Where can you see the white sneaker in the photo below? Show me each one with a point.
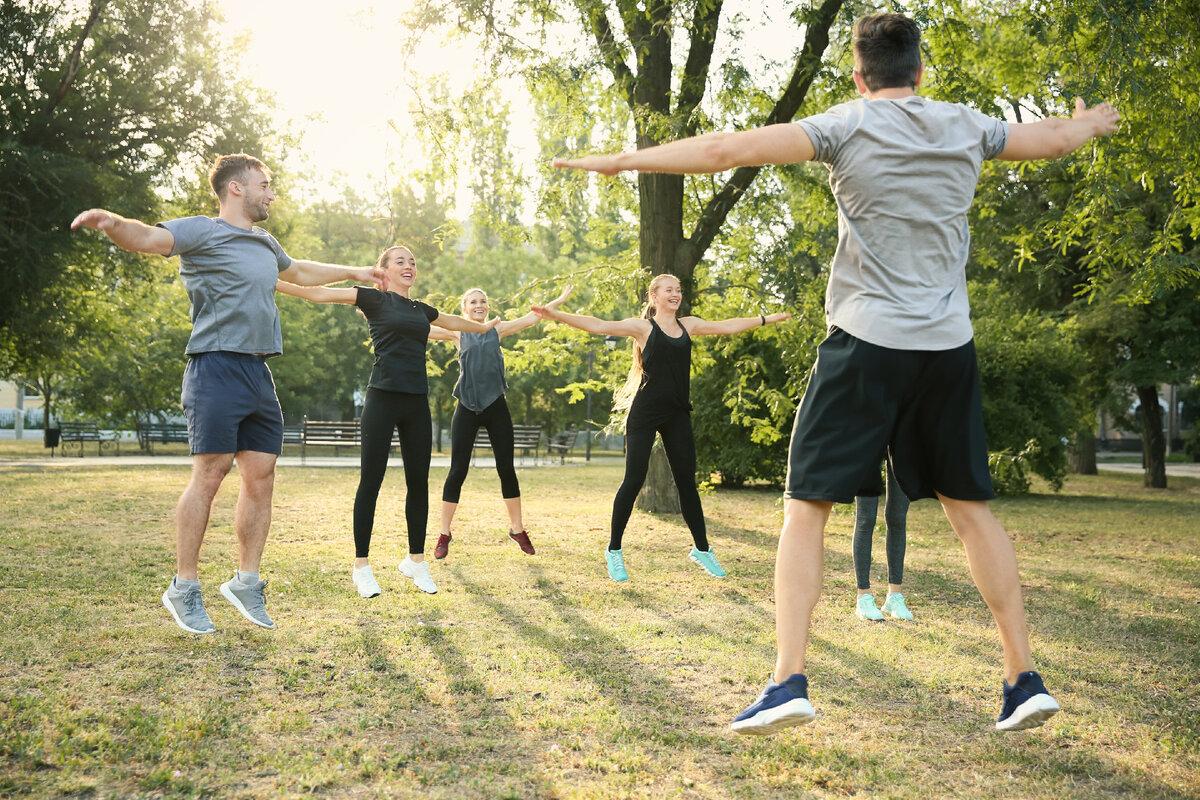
(365, 581)
(419, 572)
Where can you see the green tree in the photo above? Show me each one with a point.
(103, 103)
(1106, 236)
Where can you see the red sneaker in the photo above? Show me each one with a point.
(522, 539)
(443, 546)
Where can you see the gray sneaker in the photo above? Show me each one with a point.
(187, 607)
(249, 599)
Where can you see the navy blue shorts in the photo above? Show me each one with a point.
(230, 404)
(923, 409)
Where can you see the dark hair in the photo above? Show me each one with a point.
(887, 51)
(233, 168)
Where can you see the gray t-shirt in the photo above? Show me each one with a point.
(903, 173)
(229, 274)
(481, 379)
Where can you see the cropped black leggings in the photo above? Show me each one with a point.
(680, 447)
(408, 415)
(895, 515)
(498, 422)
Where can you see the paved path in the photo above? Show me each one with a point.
(1173, 470)
(483, 462)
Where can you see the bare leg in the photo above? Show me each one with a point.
(253, 519)
(193, 509)
(993, 567)
(448, 510)
(893, 588)
(799, 570)
(514, 513)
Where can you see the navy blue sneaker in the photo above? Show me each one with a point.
(781, 705)
(1026, 705)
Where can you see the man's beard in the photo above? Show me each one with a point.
(257, 212)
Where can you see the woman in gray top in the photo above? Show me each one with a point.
(481, 404)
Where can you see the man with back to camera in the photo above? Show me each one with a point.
(898, 369)
(229, 268)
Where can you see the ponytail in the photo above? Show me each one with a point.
(623, 398)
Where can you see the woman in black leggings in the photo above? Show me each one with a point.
(481, 404)
(397, 399)
(656, 396)
(895, 515)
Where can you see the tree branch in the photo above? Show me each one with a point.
(705, 22)
(72, 69)
(610, 51)
(816, 40)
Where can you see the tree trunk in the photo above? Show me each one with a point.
(659, 495)
(1081, 455)
(1154, 444)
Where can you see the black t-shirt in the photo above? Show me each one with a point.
(399, 332)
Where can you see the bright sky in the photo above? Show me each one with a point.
(341, 77)
(340, 74)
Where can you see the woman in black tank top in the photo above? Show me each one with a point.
(657, 399)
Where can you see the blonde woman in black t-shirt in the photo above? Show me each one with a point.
(397, 400)
(657, 399)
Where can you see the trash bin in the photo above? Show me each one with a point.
(51, 436)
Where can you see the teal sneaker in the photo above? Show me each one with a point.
(865, 609)
(616, 565)
(708, 560)
(894, 605)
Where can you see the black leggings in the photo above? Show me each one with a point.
(895, 515)
(466, 424)
(680, 447)
(407, 414)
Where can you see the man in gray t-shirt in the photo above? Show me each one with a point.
(229, 268)
(897, 374)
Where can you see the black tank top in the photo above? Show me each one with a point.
(666, 374)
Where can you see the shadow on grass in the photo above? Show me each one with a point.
(637, 693)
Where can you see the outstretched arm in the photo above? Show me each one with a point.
(784, 143)
(318, 294)
(314, 273)
(441, 334)
(702, 327)
(636, 327)
(1055, 137)
(530, 319)
(456, 323)
(128, 234)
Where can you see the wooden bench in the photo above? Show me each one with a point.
(152, 433)
(525, 439)
(81, 433)
(561, 443)
(327, 433)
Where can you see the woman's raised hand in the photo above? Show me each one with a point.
(558, 301)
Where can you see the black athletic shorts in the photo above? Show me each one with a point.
(920, 408)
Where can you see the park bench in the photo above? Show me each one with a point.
(152, 433)
(329, 433)
(81, 433)
(525, 439)
(561, 443)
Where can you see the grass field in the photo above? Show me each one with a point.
(538, 677)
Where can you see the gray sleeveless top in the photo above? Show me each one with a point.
(481, 370)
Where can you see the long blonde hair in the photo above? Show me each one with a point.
(623, 398)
